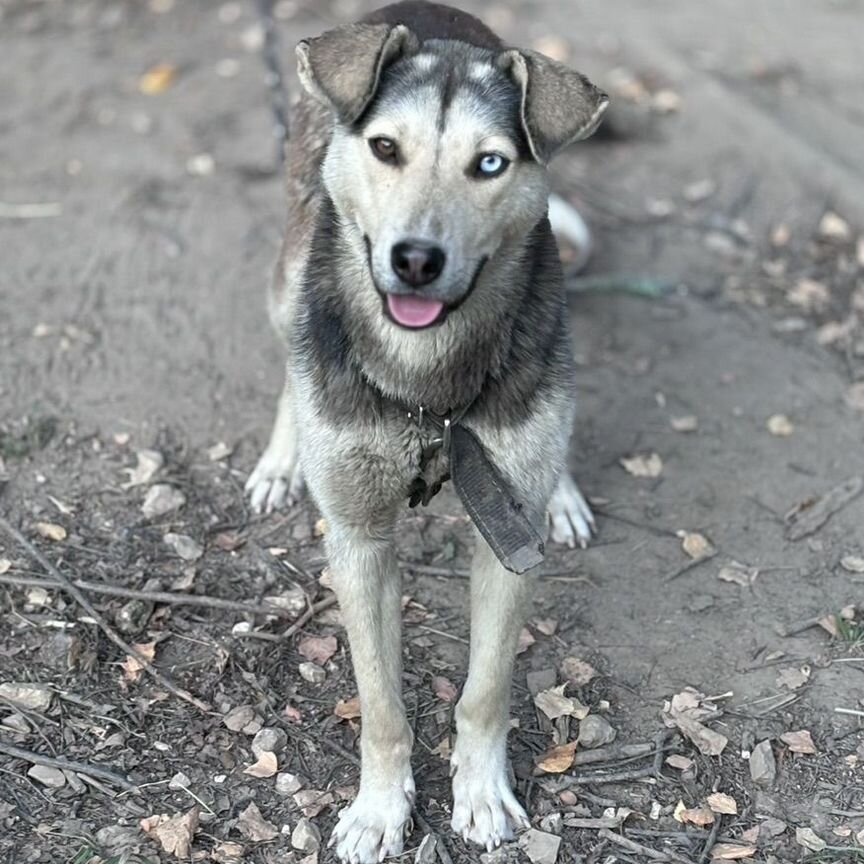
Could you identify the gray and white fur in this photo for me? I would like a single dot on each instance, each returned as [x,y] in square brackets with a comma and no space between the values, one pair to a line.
[444,91]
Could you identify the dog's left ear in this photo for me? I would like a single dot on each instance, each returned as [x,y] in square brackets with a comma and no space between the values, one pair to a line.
[559,105]
[342,67]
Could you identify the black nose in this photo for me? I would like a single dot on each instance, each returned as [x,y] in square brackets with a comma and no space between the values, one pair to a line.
[417,263]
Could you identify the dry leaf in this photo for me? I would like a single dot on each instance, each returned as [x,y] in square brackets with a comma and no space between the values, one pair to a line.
[293,714]
[5,565]
[720,802]
[149,462]
[161,499]
[558,759]
[687,423]
[700,816]
[695,544]
[547,626]
[132,667]
[577,671]
[793,678]
[643,465]
[738,573]
[834,227]
[252,824]
[731,852]
[312,801]
[266,766]
[799,742]
[320,527]
[444,749]
[686,710]
[809,839]
[348,709]
[219,451]
[157,79]
[554,704]
[780,425]
[676,760]
[809,294]
[318,649]
[444,689]
[526,640]
[51,531]
[173,835]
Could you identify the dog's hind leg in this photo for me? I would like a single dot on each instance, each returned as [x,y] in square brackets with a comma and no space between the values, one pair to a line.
[484,807]
[367,582]
[277,480]
[570,518]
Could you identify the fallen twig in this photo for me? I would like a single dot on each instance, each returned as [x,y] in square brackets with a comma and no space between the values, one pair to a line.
[88,607]
[66,765]
[799,626]
[710,840]
[616,777]
[806,520]
[852,712]
[167,597]
[641,849]
[690,565]
[612,754]
[311,611]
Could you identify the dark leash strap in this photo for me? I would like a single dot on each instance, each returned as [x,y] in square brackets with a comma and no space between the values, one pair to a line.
[270,52]
[486,495]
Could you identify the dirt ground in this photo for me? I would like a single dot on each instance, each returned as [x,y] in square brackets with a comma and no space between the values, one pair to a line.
[132,319]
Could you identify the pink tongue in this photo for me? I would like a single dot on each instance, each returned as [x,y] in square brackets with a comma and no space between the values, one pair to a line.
[412,311]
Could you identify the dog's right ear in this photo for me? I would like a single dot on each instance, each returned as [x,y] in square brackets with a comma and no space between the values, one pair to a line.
[342,67]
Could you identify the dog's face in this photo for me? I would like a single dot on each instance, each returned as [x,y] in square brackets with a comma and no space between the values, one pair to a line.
[436,176]
[434,161]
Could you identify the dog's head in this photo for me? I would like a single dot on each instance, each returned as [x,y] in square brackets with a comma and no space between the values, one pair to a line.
[438,153]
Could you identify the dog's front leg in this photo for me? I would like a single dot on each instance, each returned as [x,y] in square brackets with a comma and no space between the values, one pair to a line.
[367,582]
[484,807]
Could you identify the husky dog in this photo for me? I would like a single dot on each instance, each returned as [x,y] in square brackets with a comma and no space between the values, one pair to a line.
[419,287]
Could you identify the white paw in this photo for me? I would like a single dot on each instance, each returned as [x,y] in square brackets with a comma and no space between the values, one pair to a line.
[375,825]
[570,516]
[276,481]
[485,811]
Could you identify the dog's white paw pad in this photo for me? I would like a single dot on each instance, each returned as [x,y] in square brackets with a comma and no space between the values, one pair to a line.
[570,517]
[276,482]
[375,825]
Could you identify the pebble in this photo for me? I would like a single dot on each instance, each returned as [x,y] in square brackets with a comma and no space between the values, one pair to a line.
[552,823]
[763,767]
[161,499]
[287,784]
[54,778]
[312,673]
[187,548]
[179,781]
[239,717]
[269,739]
[595,731]
[306,837]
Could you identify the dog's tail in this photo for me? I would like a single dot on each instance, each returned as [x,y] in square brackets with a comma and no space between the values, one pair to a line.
[568,224]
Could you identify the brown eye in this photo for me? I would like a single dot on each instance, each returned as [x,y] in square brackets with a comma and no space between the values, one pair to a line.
[384,149]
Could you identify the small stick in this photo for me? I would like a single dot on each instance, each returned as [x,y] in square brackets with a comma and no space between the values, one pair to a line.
[29,211]
[659,742]
[712,839]
[168,597]
[617,777]
[66,765]
[851,711]
[690,565]
[88,607]
[311,611]
[612,754]
[640,849]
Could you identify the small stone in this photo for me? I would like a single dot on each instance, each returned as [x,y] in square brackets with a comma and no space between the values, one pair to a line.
[312,673]
[595,731]
[133,616]
[239,717]
[287,784]
[36,697]
[539,846]
[552,823]
[187,548]
[306,837]
[541,680]
[53,778]
[763,767]
[162,499]
[269,739]
[834,227]
[179,781]
[253,727]
[852,563]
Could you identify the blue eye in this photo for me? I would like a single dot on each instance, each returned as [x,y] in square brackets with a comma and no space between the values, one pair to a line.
[491,165]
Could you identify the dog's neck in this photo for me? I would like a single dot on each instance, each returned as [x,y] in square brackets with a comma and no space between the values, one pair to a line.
[478,356]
